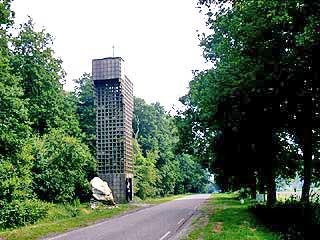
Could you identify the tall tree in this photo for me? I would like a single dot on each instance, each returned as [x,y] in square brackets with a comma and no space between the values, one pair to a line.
[154,129]
[86,109]
[156,132]
[41,75]
[145,172]
[264,54]
[15,175]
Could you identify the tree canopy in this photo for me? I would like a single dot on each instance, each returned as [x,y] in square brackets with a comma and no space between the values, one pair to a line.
[167,170]
[42,151]
[263,81]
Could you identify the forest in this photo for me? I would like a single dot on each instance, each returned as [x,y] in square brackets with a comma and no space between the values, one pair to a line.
[252,119]
[255,113]
[47,135]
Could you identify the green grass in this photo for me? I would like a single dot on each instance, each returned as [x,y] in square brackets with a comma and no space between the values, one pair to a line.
[224,218]
[62,218]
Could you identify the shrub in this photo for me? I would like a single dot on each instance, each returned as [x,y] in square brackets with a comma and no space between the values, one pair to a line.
[61,167]
[292,218]
[145,173]
[15,174]
[19,213]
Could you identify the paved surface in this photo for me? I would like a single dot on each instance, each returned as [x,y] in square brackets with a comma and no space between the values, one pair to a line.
[160,222]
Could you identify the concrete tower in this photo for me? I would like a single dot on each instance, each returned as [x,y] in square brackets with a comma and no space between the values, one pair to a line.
[114,102]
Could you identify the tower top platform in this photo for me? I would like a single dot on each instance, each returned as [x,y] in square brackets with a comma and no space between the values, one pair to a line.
[108,68]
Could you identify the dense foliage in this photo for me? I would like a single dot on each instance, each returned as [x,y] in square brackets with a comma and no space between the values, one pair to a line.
[159,166]
[86,111]
[254,118]
[17,213]
[154,130]
[47,135]
[258,106]
[145,172]
[292,218]
[14,128]
[42,154]
[170,172]
[61,167]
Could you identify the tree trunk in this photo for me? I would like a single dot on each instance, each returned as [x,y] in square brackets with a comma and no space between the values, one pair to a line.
[271,187]
[306,140]
[270,175]
[254,190]
[136,134]
[253,184]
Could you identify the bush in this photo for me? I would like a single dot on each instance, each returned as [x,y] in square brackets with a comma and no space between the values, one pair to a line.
[19,213]
[292,218]
[15,174]
[145,173]
[61,167]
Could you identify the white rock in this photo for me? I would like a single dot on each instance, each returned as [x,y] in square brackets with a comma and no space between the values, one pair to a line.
[101,190]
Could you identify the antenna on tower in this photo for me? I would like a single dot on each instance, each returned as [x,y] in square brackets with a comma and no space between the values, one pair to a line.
[113,50]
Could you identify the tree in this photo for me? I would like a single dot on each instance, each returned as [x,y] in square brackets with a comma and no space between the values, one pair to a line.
[154,130]
[15,177]
[61,168]
[41,153]
[169,176]
[145,173]
[41,76]
[69,121]
[193,178]
[262,77]
[86,109]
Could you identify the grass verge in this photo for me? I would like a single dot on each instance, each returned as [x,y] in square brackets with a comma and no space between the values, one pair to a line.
[224,218]
[64,217]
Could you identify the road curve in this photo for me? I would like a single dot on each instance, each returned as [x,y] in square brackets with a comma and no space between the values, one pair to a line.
[160,222]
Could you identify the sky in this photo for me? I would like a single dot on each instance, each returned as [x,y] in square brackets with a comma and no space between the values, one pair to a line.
[156,38]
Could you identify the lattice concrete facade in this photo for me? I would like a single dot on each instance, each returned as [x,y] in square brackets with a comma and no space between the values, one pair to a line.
[114,103]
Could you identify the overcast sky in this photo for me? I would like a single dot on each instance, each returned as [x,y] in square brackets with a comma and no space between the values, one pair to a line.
[156,38]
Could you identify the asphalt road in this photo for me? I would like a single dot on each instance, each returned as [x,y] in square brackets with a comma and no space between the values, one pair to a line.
[159,222]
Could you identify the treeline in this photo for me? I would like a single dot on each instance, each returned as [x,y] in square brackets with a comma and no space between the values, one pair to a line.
[43,155]
[160,167]
[47,135]
[255,115]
